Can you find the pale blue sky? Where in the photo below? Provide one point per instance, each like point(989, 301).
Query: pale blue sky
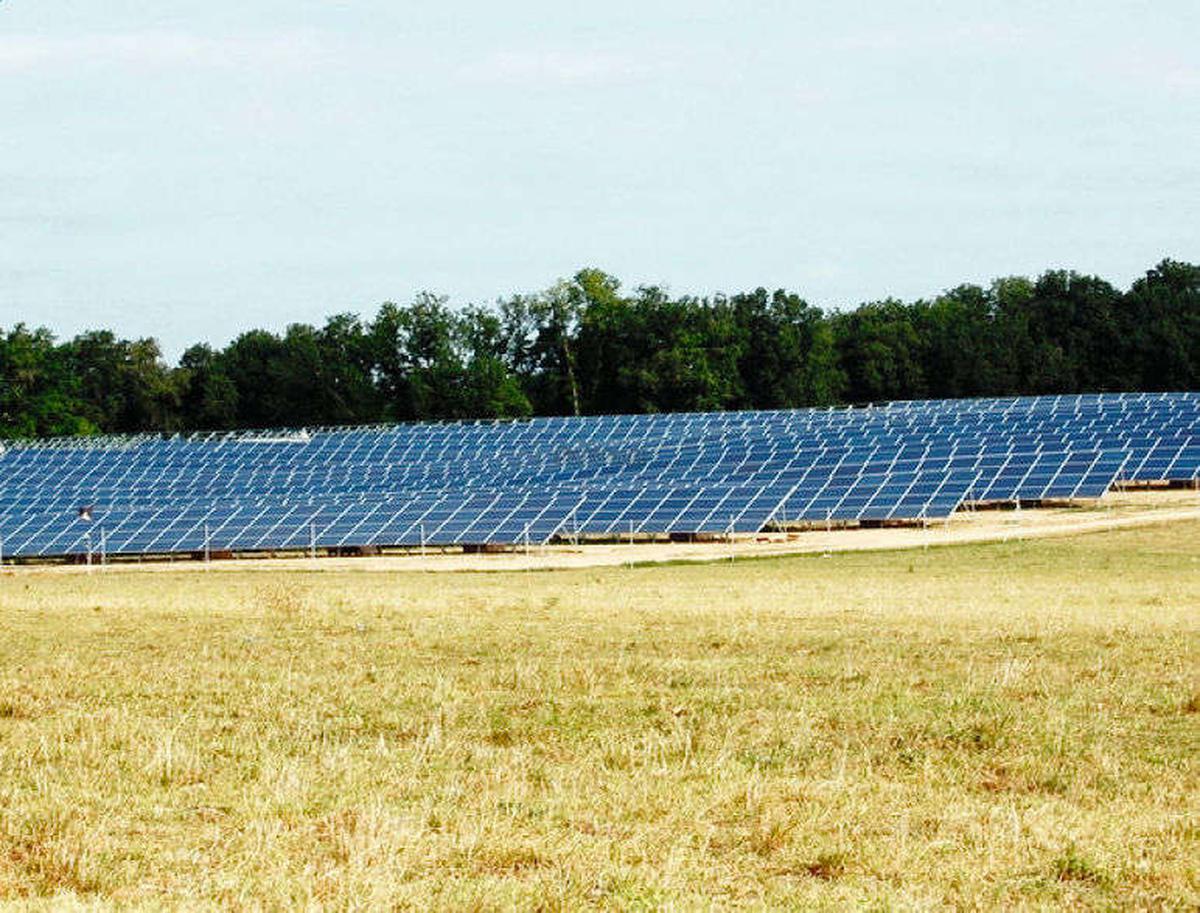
point(190, 169)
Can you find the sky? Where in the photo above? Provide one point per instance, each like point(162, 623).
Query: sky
point(189, 170)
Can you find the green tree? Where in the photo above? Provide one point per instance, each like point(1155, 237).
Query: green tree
point(124, 385)
point(787, 357)
point(209, 398)
point(541, 332)
point(251, 362)
point(489, 388)
point(39, 391)
point(1160, 319)
point(881, 352)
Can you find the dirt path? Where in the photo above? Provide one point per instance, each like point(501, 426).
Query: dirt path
point(1116, 511)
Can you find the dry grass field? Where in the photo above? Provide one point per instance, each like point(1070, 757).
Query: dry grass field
point(980, 726)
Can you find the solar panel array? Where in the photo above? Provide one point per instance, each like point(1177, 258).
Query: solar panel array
point(531, 481)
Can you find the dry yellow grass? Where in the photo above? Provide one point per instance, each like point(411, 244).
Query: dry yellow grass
point(1007, 725)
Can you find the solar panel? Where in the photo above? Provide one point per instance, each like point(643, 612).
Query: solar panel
point(528, 481)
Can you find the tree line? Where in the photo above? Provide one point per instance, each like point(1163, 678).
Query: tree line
point(586, 346)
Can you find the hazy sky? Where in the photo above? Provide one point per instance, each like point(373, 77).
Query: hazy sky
point(191, 168)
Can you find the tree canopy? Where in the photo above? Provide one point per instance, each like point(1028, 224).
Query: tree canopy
point(587, 346)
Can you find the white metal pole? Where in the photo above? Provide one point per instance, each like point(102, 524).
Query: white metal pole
point(103, 546)
point(207, 548)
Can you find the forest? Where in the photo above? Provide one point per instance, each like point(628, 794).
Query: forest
point(587, 346)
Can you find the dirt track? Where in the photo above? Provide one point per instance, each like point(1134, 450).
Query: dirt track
point(1116, 511)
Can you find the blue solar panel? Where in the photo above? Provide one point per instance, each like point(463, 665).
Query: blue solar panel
point(529, 481)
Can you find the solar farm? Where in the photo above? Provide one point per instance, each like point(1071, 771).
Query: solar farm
point(915, 697)
point(523, 483)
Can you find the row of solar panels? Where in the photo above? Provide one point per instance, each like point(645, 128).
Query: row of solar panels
point(347, 448)
point(436, 520)
point(1162, 462)
point(1158, 410)
point(490, 482)
point(413, 439)
point(536, 516)
point(462, 518)
point(1064, 402)
point(755, 467)
point(832, 464)
point(1061, 404)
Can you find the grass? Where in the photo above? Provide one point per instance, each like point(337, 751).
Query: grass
point(1002, 726)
